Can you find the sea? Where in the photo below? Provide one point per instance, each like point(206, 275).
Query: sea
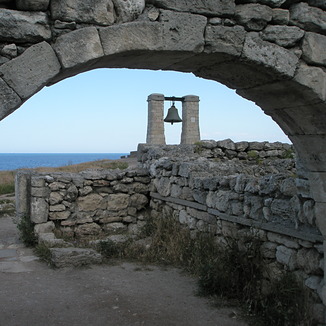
point(14, 161)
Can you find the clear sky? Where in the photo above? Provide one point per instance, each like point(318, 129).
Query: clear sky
point(105, 111)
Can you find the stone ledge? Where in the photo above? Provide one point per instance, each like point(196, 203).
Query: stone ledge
point(242, 220)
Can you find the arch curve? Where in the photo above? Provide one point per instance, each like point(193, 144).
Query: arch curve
point(271, 52)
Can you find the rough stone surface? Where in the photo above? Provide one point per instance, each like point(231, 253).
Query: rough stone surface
point(39, 210)
point(38, 64)
point(128, 10)
point(131, 37)
point(211, 7)
point(9, 100)
point(24, 27)
point(225, 39)
point(74, 257)
point(78, 47)
point(253, 16)
point(309, 18)
point(33, 5)
point(84, 11)
point(313, 46)
point(286, 36)
point(182, 31)
point(281, 60)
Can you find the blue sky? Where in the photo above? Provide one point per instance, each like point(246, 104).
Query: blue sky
point(105, 111)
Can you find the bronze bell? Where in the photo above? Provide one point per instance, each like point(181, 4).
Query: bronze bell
point(172, 115)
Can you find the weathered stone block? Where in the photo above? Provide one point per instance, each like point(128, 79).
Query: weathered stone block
point(38, 64)
point(287, 257)
point(314, 79)
point(224, 39)
point(286, 36)
point(78, 47)
point(76, 257)
point(131, 37)
point(253, 16)
point(90, 202)
point(32, 5)
point(24, 27)
point(128, 10)
point(281, 16)
point(9, 100)
point(39, 210)
point(209, 7)
point(88, 229)
point(138, 201)
point(114, 228)
point(59, 215)
point(313, 48)
point(100, 12)
point(183, 31)
point(270, 55)
point(47, 227)
point(309, 18)
point(308, 260)
point(117, 202)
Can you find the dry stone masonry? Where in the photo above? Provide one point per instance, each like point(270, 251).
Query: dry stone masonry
point(235, 191)
point(270, 51)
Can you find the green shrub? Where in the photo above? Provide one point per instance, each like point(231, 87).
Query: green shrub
point(44, 253)
point(26, 231)
point(7, 188)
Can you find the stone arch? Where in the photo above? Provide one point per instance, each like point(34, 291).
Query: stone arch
point(271, 51)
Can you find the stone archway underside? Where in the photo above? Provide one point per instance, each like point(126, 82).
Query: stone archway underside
point(271, 51)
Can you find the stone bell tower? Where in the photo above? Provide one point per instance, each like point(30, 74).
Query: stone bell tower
point(190, 120)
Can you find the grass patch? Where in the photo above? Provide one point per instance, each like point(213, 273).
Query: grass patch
point(26, 231)
point(226, 273)
point(44, 253)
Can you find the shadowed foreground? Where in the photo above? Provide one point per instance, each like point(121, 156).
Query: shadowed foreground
point(120, 295)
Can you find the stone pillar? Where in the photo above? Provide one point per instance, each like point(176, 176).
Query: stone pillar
point(155, 126)
point(190, 120)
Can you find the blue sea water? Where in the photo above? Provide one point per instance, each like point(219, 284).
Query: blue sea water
point(13, 161)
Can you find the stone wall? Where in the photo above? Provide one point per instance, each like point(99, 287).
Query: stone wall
point(237, 191)
point(91, 204)
point(240, 192)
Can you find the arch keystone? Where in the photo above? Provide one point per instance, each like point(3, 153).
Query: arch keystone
point(78, 47)
point(133, 36)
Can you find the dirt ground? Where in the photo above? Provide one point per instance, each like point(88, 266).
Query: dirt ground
point(123, 294)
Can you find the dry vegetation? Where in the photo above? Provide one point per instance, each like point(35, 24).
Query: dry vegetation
point(7, 178)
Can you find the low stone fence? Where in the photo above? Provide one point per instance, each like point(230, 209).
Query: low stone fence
point(87, 204)
point(212, 187)
point(235, 191)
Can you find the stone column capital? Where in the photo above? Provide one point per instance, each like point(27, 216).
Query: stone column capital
point(155, 97)
point(191, 98)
